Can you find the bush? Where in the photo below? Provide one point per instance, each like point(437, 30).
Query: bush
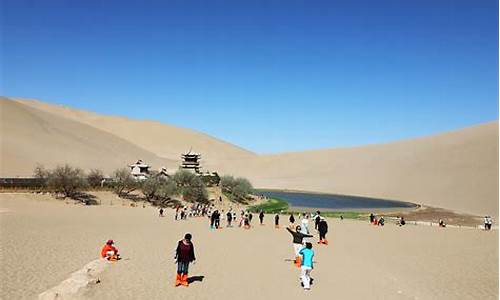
point(66, 180)
point(158, 187)
point(95, 178)
point(123, 182)
point(237, 188)
point(190, 186)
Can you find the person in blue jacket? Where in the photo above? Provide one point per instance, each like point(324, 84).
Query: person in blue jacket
point(307, 265)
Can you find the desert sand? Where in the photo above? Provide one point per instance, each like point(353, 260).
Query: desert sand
point(456, 170)
point(45, 240)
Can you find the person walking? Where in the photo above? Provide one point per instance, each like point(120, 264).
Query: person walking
point(184, 254)
point(307, 265)
point(261, 217)
point(322, 229)
point(292, 221)
point(229, 217)
point(277, 221)
point(297, 241)
point(317, 218)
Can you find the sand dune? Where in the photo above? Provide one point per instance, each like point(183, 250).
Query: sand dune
point(29, 136)
point(456, 170)
point(161, 139)
point(41, 250)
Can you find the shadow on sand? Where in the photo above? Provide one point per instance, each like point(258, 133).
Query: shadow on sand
point(195, 278)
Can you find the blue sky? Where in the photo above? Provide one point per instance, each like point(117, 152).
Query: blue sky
point(270, 76)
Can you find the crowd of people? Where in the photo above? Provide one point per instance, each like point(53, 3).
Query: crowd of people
point(301, 236)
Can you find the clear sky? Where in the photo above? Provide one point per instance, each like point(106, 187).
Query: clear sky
point(270, 76)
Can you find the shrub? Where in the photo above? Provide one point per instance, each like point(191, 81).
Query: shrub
point(190, 186)
point(238, 188)
point(95, 178)
point(123, 182)
point(157, 187)
point(66, 180)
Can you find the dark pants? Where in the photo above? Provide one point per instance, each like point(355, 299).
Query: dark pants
point(322, 235)
point(182, 267)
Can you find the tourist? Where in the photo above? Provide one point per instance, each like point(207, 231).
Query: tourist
point(229, 217)
point(216, 219)
point(322, 229)
point(381, 221)
point(277, 221)
point(317, 218)
point(306, 267)
point(110, 252)
point(184, 254)
point(441, 223)
point(305, 224)
point(250, 216)
point(261, 217)
point(292, 220)
point(246, 222)
point(161, 212)
point(488, 221)
point(402, 221)
point(372, 218)
point(298, 238)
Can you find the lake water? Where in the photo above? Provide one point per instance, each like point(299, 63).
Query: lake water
point(336, 202)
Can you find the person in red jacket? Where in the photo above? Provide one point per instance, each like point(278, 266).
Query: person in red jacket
point(109, 251)
point(184, 254)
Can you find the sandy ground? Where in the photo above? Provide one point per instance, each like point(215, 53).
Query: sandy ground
point(43, 241)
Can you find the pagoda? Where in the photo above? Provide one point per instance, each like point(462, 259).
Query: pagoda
point(191, 161)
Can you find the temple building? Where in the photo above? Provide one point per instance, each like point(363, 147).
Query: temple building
point(139, 170)
point(191, 162)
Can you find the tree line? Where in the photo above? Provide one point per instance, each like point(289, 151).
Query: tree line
point(70, 182)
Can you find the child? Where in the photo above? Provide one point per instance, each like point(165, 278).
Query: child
point(306, 266)
point(110, 252)
point(298, 238)
point(184, 254)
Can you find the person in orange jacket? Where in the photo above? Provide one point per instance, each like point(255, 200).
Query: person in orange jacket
point(184, 254)
point(109, 251)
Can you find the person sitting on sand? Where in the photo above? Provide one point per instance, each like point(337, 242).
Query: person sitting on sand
point(381, 221)
point(184, 254)
point(402, 221)
point(306, 266)
point(110, 252)
point(441, 223)
point(298, 238)
point(322, 229)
